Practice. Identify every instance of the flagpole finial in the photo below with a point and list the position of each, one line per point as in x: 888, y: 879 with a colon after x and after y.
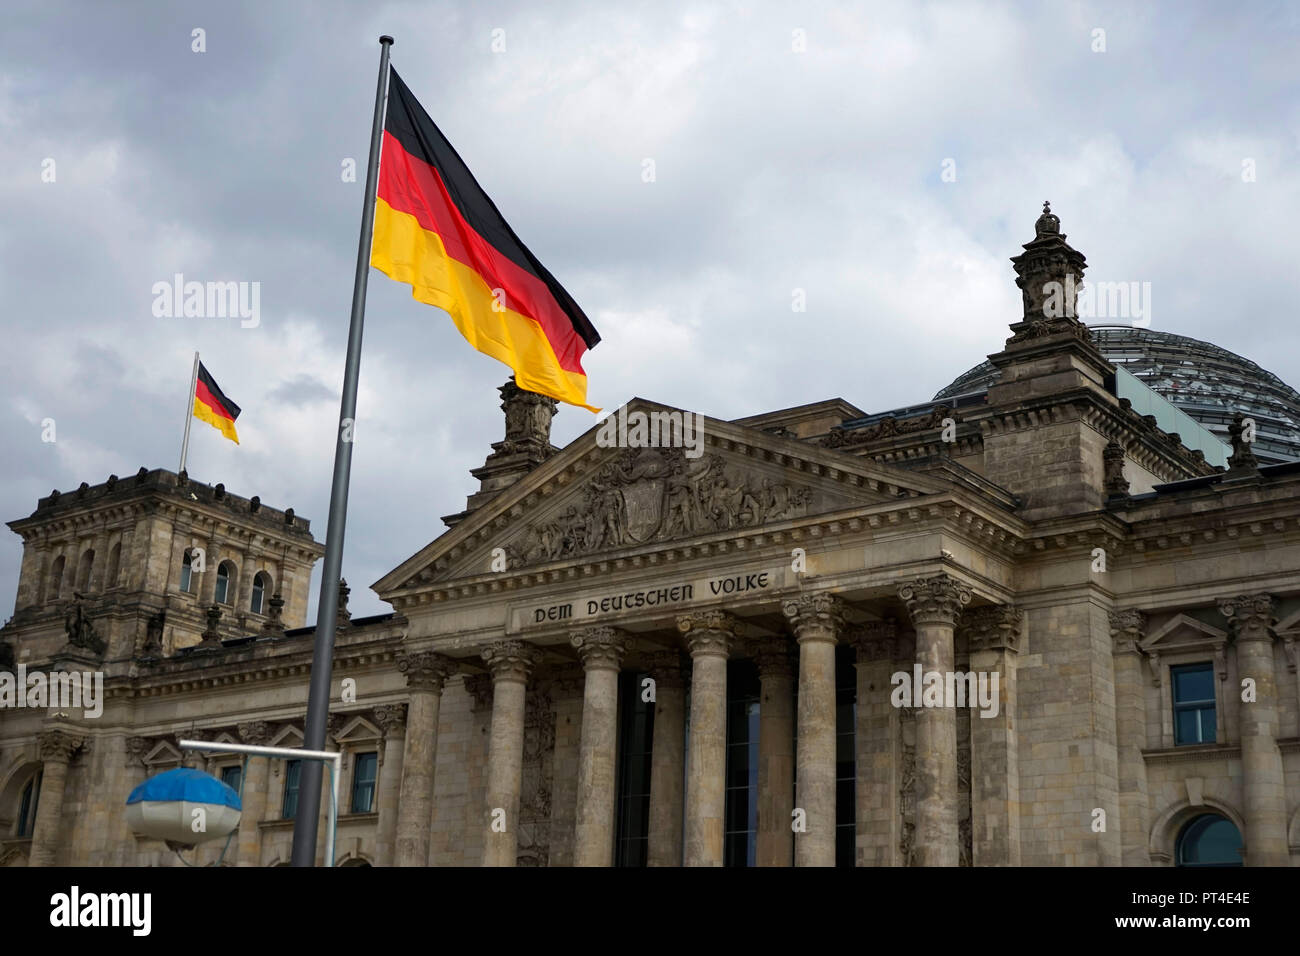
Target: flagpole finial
x: 386, y: 39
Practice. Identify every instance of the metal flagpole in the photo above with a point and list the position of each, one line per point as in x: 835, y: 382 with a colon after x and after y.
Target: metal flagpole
x: 189, y: 412
x: 318, y: 700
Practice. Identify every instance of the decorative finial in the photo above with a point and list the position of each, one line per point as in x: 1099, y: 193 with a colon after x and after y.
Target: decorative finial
x: 1048, y: 224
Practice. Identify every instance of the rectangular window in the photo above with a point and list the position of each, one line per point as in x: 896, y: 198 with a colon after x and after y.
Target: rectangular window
x: 231, y: 776
x: 363, y: 782
x: 292, y: 770
x: 636, y: 734
x: 740, y: 830
x: 846, y: 769
x: 1193, y: 686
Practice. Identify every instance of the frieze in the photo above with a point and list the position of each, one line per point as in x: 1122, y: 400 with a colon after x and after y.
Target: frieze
x: 657, y: 494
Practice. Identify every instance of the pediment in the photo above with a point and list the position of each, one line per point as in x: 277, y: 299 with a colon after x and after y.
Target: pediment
x: 358, y: 728
x: 590, y: 499
x: 1181, y: 630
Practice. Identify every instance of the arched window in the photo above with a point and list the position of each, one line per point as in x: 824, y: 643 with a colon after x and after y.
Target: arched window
x: 187, y: 574
x: 261, y: 581
x: 27, y: 808
x: 224, y: 575
x: 56, y: 577
x: 1209, y: 840
x: 83, y: 569
x: 114, y: 561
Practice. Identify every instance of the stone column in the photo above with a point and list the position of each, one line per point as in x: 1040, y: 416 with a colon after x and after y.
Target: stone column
x: 878, y: 814
x: 667, y: 760
x: 1251, y: 617
x: 709, y: 635
x: 511, y: 662
x: 253, y: 793
x: 100, y: 546
x: 935, y: 605
x: 993, y: 638
x: 391, y: 718
x: 121, y: 844
x: 56, y: 748
x: 426, y: 673
x: 774, y: 842
x: 601, y: 650
x: 817, y: 620
x: 1126, y: 628
x: 207, y: 583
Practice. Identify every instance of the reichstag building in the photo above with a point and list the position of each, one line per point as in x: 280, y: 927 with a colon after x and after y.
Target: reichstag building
x: 1048, y: 617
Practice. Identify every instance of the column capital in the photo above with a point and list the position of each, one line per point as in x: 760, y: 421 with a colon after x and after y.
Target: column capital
x: 426, y: 670
x: 876, y: 641
x: 391, y: 718
x: 995, y: 627
x: 935, y: 600
x: 600, y: 647
x: 59, y: 746
x: 255, y: 732
x: 479, y: 687
x: 666, y: 668
x: 708, y: 632
x: 1250, y: 616
x: 511, y: 660
x: 774, y: 659
x: 815, y: 616
x: 1126, y: 630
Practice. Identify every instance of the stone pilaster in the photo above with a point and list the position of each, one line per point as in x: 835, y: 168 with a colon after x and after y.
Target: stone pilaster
x: 121, y: 845
x: 667, y: 760
x: 878, y: 814
x: 774, y: 843
x: 817, y: 620
x: 1126, y: 629
x: 56, y: 748
x: 709, y: 635
x: 993, y: 639
x: 426, y: 673
x: 1251, y: 618
x: 511, y: 662
x: 935, y: 605
x: 256, y: 733
x: 391, y: 718
x: 601, y: 650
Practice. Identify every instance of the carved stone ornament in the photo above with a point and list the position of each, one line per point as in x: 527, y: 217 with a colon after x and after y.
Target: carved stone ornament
x: 426, y: 670
x: 1113, y: 461
x: 775, y: 659
x: 1242, y: 458
x: 876, y: 641
x: 887, y: 427
x: 815, y: 616
x: 657, y: 494
x: 600, y: 647
x: 511, y: 660
x: 59, y: 745
x: 1126, y: 629
x: 136, y: 750
x: 1250, y: 616
x: 935, y: 600
x: 391, y: 718
x: 254, y: 732
x: 80, y: 630
x: 996, y: 627
x: 708, y: 632
x: 666, y: 667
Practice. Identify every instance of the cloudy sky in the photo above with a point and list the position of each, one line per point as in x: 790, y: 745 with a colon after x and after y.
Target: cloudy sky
x: 885, y: 158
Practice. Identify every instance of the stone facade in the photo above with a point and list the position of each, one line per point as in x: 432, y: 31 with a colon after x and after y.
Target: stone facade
x: 1042, y: 538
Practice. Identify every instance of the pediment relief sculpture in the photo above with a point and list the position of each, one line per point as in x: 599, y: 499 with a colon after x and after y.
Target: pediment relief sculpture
x: 657, y: 494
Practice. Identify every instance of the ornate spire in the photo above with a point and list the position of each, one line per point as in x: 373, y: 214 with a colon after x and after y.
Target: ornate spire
x: 1047, y: 224
x: 1242, y: 461
x: 1049, y: 273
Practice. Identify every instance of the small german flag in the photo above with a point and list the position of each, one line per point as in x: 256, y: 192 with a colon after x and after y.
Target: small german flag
x: 437, y: 231
x: 212, y: 406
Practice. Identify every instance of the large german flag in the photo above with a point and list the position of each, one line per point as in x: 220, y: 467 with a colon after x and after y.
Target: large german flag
x: 437, y: 230
x: 212, y: 406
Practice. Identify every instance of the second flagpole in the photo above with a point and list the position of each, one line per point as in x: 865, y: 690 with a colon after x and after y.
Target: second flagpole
x: 309, y: 793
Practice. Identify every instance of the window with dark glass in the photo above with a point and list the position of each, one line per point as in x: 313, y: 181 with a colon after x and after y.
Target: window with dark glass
x: 56, y: 577
x: 846, y: 782
x: 187, y: 572
x: 636, y: 733
x: 223, y: 583
x: 259, y: 592
x: 27, y: 808
x: 292, y: 770
x: 232, y: 775
x: 363, y: 782
x: 1193, y: 686
x: 740, y: 829
x: 1209, y: 840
